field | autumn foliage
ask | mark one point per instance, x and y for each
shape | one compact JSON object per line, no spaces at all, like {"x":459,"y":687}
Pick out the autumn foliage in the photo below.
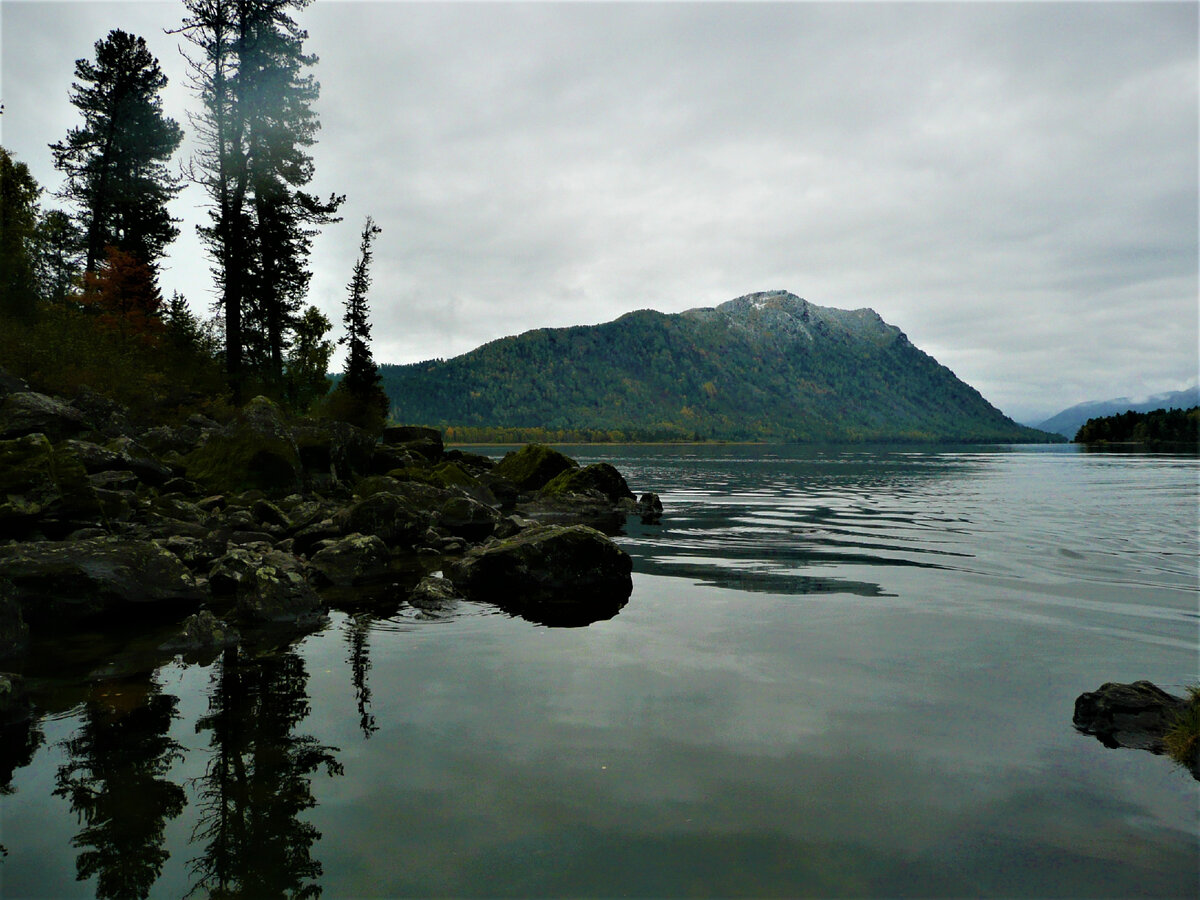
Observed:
{"x":124,"y":298}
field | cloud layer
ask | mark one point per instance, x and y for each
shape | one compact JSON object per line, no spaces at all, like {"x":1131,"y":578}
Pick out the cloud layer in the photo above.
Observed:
{"x":1014,"y":185}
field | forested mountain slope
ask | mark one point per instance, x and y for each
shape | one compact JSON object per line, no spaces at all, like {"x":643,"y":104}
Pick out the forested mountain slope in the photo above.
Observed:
{"x":767,"y":366}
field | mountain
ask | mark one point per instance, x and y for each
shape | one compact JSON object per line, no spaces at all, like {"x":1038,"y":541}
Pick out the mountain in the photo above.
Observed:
{"x":1070,"y":420}
{"x":767,"y":366}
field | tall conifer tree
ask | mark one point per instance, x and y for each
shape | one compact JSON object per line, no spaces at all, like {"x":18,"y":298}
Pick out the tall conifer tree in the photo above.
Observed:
{"x":257,"y":128}
{"x":359,"y":396}
{"x":116,"y":162}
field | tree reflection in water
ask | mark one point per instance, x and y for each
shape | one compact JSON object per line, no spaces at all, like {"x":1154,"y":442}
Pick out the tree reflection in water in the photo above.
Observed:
{"x":257,"y":781}
{"x":115,"y":781}
{"x":358,"y":627}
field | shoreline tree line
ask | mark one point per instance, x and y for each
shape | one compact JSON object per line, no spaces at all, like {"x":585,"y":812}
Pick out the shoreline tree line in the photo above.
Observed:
{"x":79,"y":297}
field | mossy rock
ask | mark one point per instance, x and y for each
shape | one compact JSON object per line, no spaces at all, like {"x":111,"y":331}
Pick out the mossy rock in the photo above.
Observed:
{"x":42,"y":486}
{"x":555,"y":574}
{"x":533,"y":467}
{"x":255,"y":452}
{"x":600,"y":477}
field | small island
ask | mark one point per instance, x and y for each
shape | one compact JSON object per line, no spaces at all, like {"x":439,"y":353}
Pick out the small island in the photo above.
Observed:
{"x":1162,"y":429}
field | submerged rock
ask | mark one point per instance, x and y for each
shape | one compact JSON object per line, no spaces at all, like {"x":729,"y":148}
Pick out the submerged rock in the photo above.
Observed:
{"x":202,"y":632}
{"x":433,"y":593}
{"x":556,"y":574}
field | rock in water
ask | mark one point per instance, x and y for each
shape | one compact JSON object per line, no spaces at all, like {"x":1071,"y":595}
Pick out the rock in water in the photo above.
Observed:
{"x":554,"y":574}
{"x":1128,"y":715}
{"x":353,"y":559}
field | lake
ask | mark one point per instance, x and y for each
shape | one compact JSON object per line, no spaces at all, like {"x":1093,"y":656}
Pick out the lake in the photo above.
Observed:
{"x":842,"y":672}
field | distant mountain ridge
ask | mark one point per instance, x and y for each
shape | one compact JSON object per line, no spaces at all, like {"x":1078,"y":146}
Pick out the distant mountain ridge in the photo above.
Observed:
{"x":1070,"y":420}
{"x":766,"y":366}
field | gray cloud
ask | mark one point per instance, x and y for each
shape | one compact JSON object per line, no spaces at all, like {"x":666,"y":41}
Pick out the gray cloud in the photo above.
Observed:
{"x":1014,"y":185}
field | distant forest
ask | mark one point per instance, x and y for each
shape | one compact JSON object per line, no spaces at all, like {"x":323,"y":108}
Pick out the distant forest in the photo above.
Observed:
{"x":80,"y":304}
{"x":1160,"y":428}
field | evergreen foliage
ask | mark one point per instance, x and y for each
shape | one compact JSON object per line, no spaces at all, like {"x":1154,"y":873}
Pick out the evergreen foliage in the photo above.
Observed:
{"x":305,"y":378}
{"x":19,"y":194}
{"x":359,"y":397}
{"x":116,"y":162}
{"x":256,"y":130}
{"x":702,"y":375}
{"x":1160,"y":428}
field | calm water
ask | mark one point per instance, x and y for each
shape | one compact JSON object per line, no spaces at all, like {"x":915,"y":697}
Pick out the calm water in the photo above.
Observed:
{"x":840,"y":673}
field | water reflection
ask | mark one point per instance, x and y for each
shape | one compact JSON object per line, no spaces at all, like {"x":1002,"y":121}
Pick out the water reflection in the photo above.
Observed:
{"x":358,"y":627}
{"x":116,"y":782}
{"x":257,"y":781}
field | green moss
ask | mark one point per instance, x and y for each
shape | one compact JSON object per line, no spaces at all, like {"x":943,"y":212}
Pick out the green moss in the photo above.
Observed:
{"x":533,"y":466}
{"x":245,"y":460}
{"x":1182,"y":739}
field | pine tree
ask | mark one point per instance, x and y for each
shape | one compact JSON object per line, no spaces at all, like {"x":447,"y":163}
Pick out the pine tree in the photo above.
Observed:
{"x":256,"y":130}
{"x":359,"y":397}
{"x":19,"y":193}
{"x":116,"y":162}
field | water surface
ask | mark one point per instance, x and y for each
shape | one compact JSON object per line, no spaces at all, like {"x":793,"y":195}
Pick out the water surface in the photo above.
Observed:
{"x":842,"y":672}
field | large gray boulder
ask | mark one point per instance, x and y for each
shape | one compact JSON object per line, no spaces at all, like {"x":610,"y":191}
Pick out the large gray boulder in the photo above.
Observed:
{"x":256,"y":452}
{"x":28,"y":412}
{"x":56,"y":582}
{"x":269,"y":585}
{"x":353,"y":559}
{"x":555,"y":574}
{"x":393,"y":519}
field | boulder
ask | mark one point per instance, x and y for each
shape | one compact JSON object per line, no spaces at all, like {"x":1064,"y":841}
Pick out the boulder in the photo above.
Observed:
{"x":55,"y":582}
{"x":433,"y":593}
{"x":28,"y":412}
{"x":43,"y":488}
{"x":1128,"y":715}
{"x":268,"y":584}
{"x":467,"y":518}
{"x":601,"y":478}
{"x":254,"y":452}
{"x":108,"y":417}
{"x":650,"y":508}
{"x":390,"y":517}
{"x":533,"y":467}
{"x":353,"y":559}
{"x":333,"y":452}
{"x":555,"y":574}
{"x":278,"y":591}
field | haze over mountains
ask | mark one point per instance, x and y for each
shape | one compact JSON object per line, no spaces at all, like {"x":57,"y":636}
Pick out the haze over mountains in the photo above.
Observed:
{"x":1068,"y":421}
{"x":766,"y":366}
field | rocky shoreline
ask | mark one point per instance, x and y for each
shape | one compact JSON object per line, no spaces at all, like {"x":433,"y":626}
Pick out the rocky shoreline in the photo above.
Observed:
{"x":225,"y":529}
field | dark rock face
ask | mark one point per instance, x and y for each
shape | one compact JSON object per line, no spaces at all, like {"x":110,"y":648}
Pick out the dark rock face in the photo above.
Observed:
{"x":602,"y":478}
{"x":1135,"y":715}
{"x":533,"y":467}
{"x":402,"y":434}
{"x":353,"y":559}
{"x":56,"y":582}
{"x":467,"y":518}
{"x":28,"y":412}
{"x":556,"y":574}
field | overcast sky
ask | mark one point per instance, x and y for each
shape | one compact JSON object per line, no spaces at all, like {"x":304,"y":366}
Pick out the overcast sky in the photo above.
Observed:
{"x":1014,"y":185}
